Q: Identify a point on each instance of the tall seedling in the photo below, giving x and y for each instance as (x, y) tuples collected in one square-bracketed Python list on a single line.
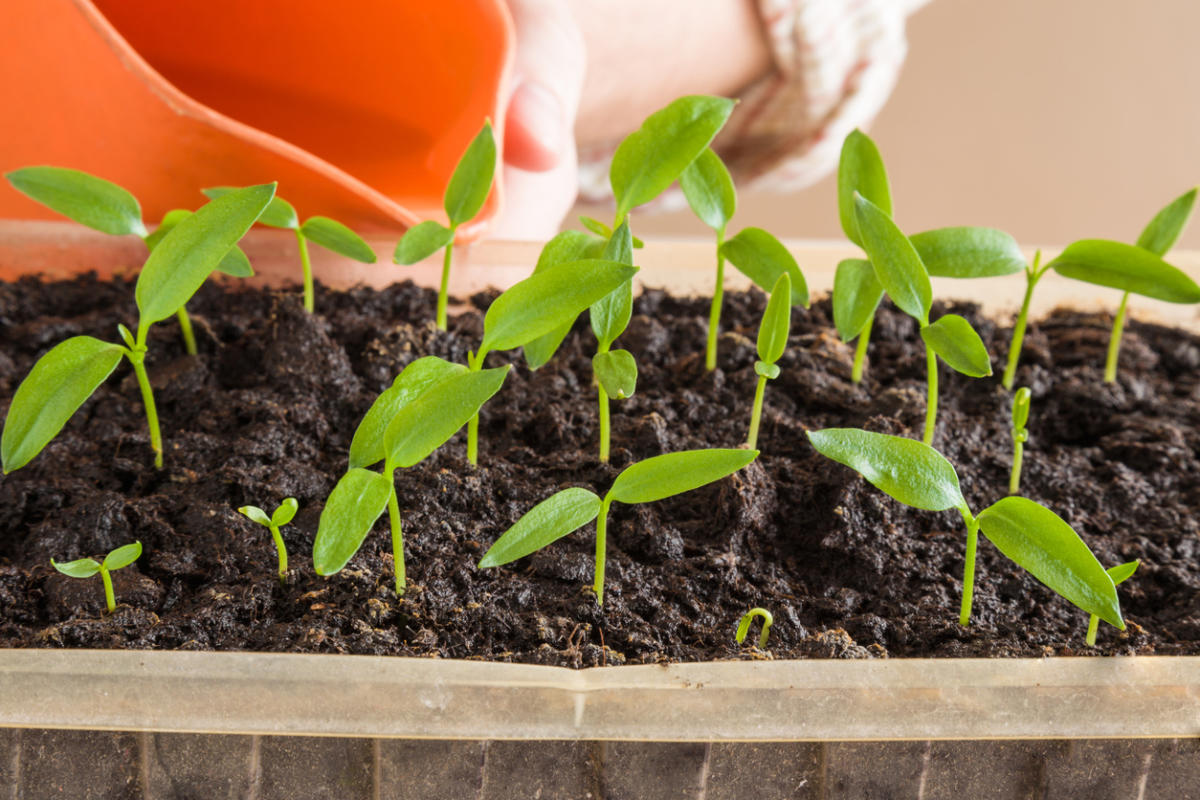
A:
[(709, 190)]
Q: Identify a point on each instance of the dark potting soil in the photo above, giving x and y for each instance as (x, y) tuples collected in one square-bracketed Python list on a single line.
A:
[(268, 408)]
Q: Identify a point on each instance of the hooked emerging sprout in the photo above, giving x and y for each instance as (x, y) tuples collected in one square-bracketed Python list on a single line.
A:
[(743, 627), (644, 482), (87, 567), (280, 517), (1119, 574), (1020, 416), (71, 371), (772, 340)]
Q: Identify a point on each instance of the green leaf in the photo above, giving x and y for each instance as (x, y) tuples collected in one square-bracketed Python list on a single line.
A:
[(421, 241), (860, 170), (558, 515), (349, 514), (367, 447), (675, 473), (235, 263), (548, 300), (617, 372), (1164, 229), (279, 213), (610, 315), (51, 393), (79, 568), (285, 513), (897, 264), (776, 321), (1126, 267), (426, 423), (1122, 572), (333, 235), (765, 370), (651, 158), (910, 471), (189, 253), (1020, 407), (472, 178), (762, 258), (856, 295), (169, 220), (1047, 547), (709, 190), (968, 252), (596, 226), (957, 343), (123, 556), (255, 514), (86, 199), (566, 246)]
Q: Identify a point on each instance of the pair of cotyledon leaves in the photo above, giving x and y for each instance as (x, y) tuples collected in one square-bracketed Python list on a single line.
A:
[(87, 567), (282, 515), (1032, 536), (71, 371)]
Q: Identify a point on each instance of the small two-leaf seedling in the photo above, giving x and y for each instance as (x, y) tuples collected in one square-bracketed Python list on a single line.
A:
[(87, 567), (280, 517), (743, 627), (772, 341), (567, 511), (1020, 435)]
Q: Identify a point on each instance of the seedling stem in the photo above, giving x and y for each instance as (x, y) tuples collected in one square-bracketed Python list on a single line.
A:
[(931, 404), (743, 627), (860, 352), (397, 532), (714, 314), (445, 287), (1020, 415), (964, 614), (601, 551), (137, 357), (185, 329), (605, 436), (756, 413), (1114, 342), (306, 267), (1033, 274)]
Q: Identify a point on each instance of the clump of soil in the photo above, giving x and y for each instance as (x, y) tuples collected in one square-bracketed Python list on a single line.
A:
[(268, 408)]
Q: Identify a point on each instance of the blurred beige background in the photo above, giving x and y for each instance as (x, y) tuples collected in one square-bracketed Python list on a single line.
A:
[(1052, 119)]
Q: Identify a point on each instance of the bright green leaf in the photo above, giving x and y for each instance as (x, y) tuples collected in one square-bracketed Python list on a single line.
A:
[(776, 321), (367, 447), (558, 515), (1047, 547), (333, 235), (472, 178), (426, 423), (709, 190), (255, 514), (651, 158), (234, 263), (51, 393), (1122, 572), (169, 220), (968, 252), (1020, 407), (349, 514), (421, 241), (765, 370), (957, 343), (610, 315), (762, 258), (897, 264), (1164, 229), (1126, 267), (860, 170), (617, 372), (123, 556), (86, 199), (596, 226), (675, 473), (910, 471), (286, 512), (279, 213), (79, 568), (566, 246), (856, 295)]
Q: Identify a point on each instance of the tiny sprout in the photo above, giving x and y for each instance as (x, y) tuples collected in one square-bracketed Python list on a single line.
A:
[(465, 195), (87, 567), (644, 482), (772, 340), (709, 191), (743, 627), (282, 516), (1020, 416), (66, 376), (329, 233), (1119, 574)]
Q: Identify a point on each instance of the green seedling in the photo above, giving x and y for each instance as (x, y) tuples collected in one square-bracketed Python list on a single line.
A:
[(709, 191), (772, 340), (956, 252), (644, 482), (329, 233), (71, 371), (1033, 274), (429, 402), (280, 517), (106, 207), (743, 627), (1119, 574), (87, 567), (1020, 416), (1031, 535), (1134, 269), (901, 272), (762, 258), (465, 195)]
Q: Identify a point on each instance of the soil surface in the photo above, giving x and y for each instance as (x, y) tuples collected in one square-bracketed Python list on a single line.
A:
[(268, 408)]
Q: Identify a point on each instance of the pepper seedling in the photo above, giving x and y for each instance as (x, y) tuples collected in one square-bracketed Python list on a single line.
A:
[(1134, 269), (468, 189), (1029, 534), (282, 515), (329, 233), (743, 627), (1119, 574), (1020, 416), (709, 190), (772, 340), (567, 511), (87, 567), (109, 208), (71, 371)]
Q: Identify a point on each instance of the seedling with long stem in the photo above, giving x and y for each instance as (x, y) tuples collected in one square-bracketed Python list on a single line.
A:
[(1020, 435), (1031, 535), (281, 516), (743, 627), (709, 190), (569, 510), (1033, 274), (71, 371), (772, 341), (1119, 574), (87, 567), (465, 195)]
